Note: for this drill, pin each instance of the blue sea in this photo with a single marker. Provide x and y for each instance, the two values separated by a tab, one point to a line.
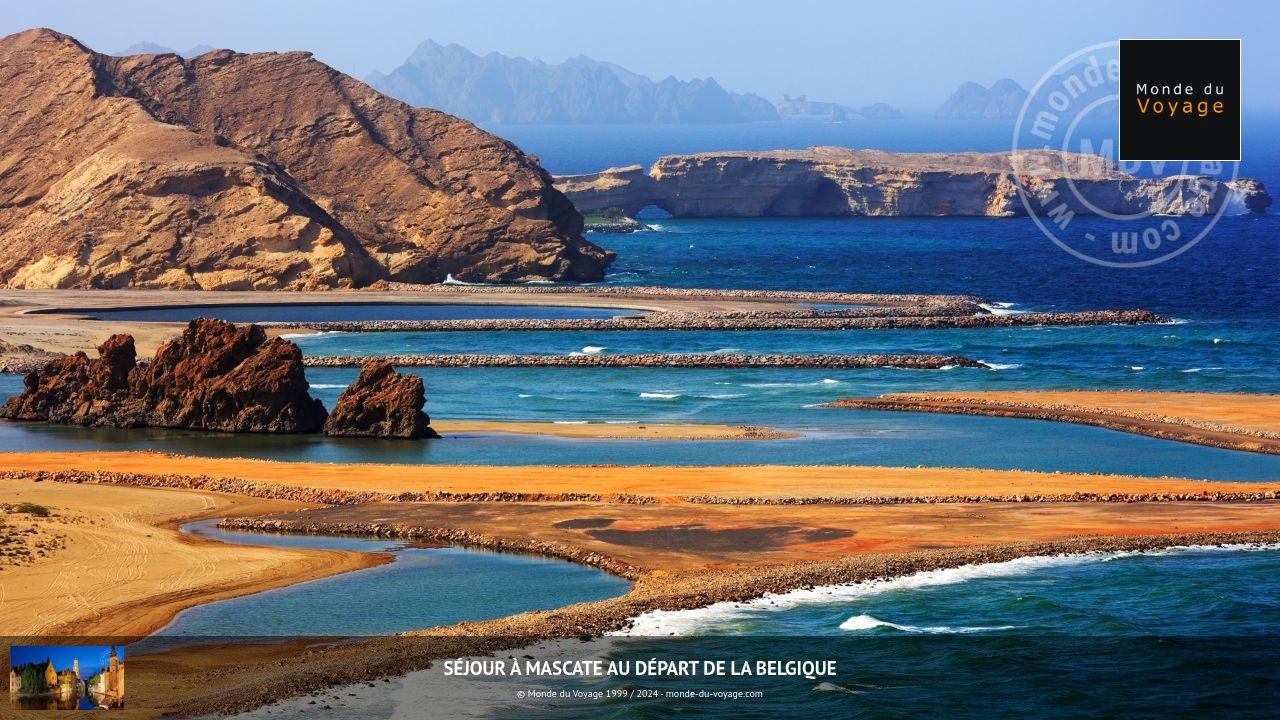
1191	632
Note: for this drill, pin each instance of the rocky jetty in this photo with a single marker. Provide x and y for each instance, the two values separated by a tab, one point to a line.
216	376
870	319
256	171
381	403
650	360
833	181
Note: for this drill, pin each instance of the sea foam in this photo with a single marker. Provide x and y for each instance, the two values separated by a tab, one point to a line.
868	622
694	622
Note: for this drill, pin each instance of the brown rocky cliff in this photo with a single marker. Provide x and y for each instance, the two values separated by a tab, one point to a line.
381	403
232	171
832	181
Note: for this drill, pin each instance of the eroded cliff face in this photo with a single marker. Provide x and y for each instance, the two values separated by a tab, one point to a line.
827	181
270	170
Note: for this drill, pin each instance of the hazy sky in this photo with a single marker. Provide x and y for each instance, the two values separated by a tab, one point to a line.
905	53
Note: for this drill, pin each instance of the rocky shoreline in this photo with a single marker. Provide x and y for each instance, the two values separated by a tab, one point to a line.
321	667
800	320
296	493
1165	427
324	496
657	360
640	291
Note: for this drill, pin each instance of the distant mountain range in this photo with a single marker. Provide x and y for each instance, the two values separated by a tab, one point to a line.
500	89
150	48
1002	100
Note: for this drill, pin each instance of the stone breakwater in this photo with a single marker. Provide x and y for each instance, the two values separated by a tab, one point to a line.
739	321
1166	427
451	536
1074	497
640	291
656	360
329	496
321	667
320	496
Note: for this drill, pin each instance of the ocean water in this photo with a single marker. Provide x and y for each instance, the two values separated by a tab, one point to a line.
422	587
1187	633
1183	633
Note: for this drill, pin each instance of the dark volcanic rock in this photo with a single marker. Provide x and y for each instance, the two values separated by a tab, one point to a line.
75	390
221	377
215	377
381	403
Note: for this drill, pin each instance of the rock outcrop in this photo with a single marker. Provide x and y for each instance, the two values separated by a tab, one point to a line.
258	171
381	403
832	181
76	390
216	376
500	89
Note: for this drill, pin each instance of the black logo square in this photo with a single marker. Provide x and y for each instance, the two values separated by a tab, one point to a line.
1180	100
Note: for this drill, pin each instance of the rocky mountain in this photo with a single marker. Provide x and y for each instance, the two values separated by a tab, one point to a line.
500	89
259	171
1002	100
801	108
833	181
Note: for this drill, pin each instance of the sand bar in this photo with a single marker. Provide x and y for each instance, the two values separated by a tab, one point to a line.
663	483
1226	420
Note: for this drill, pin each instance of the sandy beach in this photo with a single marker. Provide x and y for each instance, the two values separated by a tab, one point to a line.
125	569
1228	420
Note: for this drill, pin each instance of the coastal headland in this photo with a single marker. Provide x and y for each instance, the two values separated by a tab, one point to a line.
837	181
1231	421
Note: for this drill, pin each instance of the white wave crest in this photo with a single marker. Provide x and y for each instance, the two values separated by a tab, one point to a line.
1000	366
692	622
305	335
1001	308
592	350
659	395
326	386
867	622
